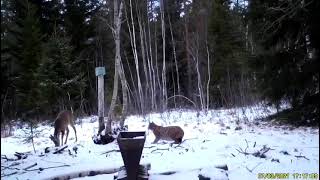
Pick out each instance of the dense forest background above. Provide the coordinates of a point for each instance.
(159, 55)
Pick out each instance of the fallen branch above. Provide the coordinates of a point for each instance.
(8, 159)
(41, 169)
(247, 145)
(60, 150)
(114, 150)
(223, 133)
(251, 170)
(28, 167)
(8, 167)
(149, 147)
(242, 152)
(167, 173)
(9, 174)
(260, 153)
(20, 155)
(159, 149)
(179, 145)
(224, 167)
(302, 157)
(284, 152)
(14, 164)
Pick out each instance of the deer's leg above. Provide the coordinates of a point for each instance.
(62, 134)
(74, 128)
(67, 136)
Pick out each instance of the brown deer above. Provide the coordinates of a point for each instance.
(61, 123)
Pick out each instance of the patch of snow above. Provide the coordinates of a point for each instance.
(210, 139)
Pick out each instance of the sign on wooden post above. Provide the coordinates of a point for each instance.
(100, 72)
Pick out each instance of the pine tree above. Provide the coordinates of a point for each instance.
(61, 78)
(228, 52)
(27, 50)
(287, 66)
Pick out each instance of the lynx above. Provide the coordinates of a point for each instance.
(168, 133)
(61, 123)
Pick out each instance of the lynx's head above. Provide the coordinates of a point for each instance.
(152, 125)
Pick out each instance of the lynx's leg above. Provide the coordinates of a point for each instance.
(67, 136)
(156, 140)
(178, 141)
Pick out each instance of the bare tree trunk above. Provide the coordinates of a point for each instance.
(164, 85)
(134, 49)
(124, 87)
(175, 57)
(209, 78)
(113, 100)
(118, 69)
(199, 80)
(229, 86)
(117, 25)
(156, 60)
(32, 137)
(189, 89)
(150, 66)
(147, 44)
(153, 75)
(143, 51)
(136, 101)
(195, 56)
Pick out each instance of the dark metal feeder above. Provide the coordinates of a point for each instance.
(131, 146)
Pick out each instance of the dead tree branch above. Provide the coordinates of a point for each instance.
(60, 150)
(302, 157)
(159, 149)
(8, 159)
(114, 150)
(251, 170)
(28, 167)
(9, 174)
(41, 169)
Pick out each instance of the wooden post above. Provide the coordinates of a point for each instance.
(100, 72)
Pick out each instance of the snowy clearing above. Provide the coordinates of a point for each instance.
(220, 137)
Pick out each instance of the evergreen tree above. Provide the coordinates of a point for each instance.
(60, 76)
(228, 53)
(27, 51)
(288, 63)
(6, 59)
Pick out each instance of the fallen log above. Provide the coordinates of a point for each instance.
(9, 174)
(60, 150)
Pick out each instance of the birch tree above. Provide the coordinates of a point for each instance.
(163, 33)
(132, 34)
(116, 29)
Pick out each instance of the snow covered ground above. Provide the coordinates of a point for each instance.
(220, 137)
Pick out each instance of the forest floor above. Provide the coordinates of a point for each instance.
(233, 138)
